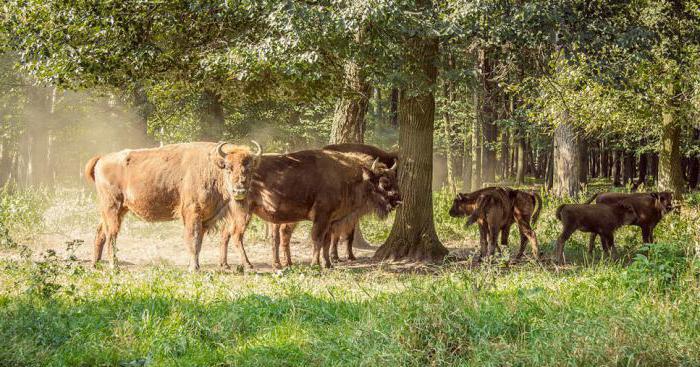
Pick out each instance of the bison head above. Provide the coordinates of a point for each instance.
(383, 186)
(629, 214)
(463, 205)
(238, 164)
(663, 201)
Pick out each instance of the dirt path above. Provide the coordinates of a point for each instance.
(143, 244)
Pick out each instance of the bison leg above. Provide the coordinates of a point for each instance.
(275, 239)
(112, 220)
(610, 244)
(483, 240)
(326, 248)
(321, 238)
(194, 232)
(647, 233)
(238, 242)
(493, 241)
(505, 234)
(334, 247)
(100, 239)
(591, 243)
(559, 249)
(527, 233)
(286, 231)
(349, 240)
(223, 249)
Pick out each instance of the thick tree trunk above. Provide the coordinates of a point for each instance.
(670, 174)
(566, 159)
(349, 119)
(413, 234)
(654, 170)
(211, 116)
(143, 108)
(549, 170)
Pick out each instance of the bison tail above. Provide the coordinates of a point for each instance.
(592, 199)
(90, 169)
(558, 212)
(538, 208)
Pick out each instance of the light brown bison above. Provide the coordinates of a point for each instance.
(342, 230)
(322, 186)
(650, 207)
(197, 182)
(525, 208)
(600, 219)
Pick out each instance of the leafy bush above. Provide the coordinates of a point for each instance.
(21, 213)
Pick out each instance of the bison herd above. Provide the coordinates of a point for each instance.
(220, 185)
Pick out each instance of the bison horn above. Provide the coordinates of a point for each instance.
(220, 149)
(260, 151)
(395, 165)
(374, 164)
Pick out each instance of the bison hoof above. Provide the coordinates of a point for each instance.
(225, 266)
(277, 266)
(352, 258)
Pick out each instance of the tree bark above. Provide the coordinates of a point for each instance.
(413, 235)
(627, 168)
(566, 159)
(604, 161)
(643, 159)
(5, 162)
(670, 174)
(349, 119)
(549, 170)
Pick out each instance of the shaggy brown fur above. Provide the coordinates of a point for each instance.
(196, 182)
(602, 220)
(524, 206)
(318, 185)
(650, 207)
(494, 212)
(343, 230)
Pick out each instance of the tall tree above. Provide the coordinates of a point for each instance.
(413, 234)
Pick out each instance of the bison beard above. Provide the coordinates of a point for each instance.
(317, 185)
(198, 182)
(524, 206)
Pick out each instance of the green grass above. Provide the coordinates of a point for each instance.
(641, 311)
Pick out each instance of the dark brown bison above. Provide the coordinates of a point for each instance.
(322, 186)
(494, 212)
(525, 208)
(197, 182)
(602, 220)
(650, 207)
(343, 230)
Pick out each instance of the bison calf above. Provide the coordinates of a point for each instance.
(602, 220)
(523, 206)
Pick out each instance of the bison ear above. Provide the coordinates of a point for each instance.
(366, 174)
(655, 195)
(219, 162)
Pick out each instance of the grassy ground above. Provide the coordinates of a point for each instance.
(643, 310)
